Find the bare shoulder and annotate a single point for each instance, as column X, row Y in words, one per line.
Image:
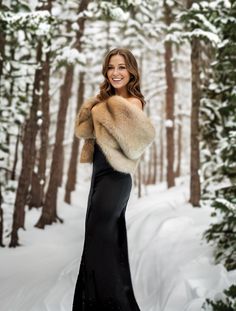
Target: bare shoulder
column 135, row 101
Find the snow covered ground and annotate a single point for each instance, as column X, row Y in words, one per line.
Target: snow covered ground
column 172, row 267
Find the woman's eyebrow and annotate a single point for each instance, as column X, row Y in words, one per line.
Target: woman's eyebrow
column 118, row 64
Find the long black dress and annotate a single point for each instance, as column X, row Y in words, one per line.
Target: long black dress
column 104, row 280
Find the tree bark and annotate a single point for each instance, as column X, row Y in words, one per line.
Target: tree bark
column 72, row 170
column 13, row 173
column 161, row 155
column 37, row 187
column 195, row 188
column 154, row 163
column 179, row 144
column 169, row 103
column 1, row 219
column 2, row 51
column 49, row 210
column 28, row 158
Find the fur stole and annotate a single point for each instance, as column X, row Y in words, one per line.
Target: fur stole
column 122, row 130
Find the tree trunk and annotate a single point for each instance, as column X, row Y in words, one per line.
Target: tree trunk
column 179, row 144
column 2, row 51
column 37, row 189
column 49, row 211
column 19, row 135
column 149, row 170
column 28, row 158
column 169, row 103
column 1, row 219
column 34, row 194
column 161, row 156
column 13, row 173
column 195, row 188
column 154, row 163
column 60, row 169
column 72, row 170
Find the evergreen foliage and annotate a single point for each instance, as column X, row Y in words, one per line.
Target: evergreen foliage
column 20, row 31
column 214, row 23
column 225, row 303
column 221, row 93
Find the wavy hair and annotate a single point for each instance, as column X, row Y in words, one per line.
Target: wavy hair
column 133, row 86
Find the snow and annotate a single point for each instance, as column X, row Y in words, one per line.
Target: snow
column 119, row 14
column 212, row 37
column 31, row 18
column 171, row 265
column 39, row 113
column 43, row 29
column 135, row 2
column 71, row 56
column 169, row 123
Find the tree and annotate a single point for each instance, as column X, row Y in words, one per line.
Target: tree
column 195, row 190
column 28, row 158
column 227, row 303
column 218, row 115
column 72, row 170
column 49, row 211
column 39, row 179
column 30, row 129
column 170, row 90
column 221, row 92
column 1, row 219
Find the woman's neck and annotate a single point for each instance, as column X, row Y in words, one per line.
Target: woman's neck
column 122, row 92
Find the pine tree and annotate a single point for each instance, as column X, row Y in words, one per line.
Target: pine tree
column 221, row 92
column 49, row 211
column 18, row 67
column 215, row 25
column 227, row 303
column 29, row 148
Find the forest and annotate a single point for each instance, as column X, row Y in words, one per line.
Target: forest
column 51, row 61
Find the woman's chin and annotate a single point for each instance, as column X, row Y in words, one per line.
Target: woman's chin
column 117, row 87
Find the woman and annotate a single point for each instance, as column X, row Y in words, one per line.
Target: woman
column 116, row 133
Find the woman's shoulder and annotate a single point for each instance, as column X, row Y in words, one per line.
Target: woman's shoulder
column 136, row 101
column 126, row 100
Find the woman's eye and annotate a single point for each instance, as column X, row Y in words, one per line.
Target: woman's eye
column 120, row 68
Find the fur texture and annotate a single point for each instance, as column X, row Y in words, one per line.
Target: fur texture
column 122, row 130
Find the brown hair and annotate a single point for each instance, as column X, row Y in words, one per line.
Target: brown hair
column 133, row 87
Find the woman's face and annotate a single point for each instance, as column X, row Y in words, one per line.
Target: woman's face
column 117, row 73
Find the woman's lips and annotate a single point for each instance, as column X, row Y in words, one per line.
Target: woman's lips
column 116, row 80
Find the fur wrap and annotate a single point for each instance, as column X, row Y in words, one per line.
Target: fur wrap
column 122, row 130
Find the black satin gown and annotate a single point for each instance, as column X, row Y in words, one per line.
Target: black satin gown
column 104, row 280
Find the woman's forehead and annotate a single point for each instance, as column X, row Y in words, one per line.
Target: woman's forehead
column 117, row 59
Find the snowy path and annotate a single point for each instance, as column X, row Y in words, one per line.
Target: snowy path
column 171, row 266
